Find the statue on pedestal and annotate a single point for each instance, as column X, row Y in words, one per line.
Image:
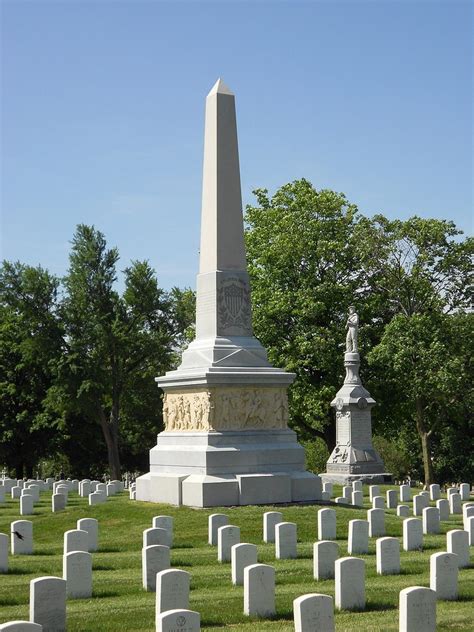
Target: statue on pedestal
column 352, row 326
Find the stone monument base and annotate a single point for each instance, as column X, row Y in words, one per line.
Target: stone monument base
column 218, row 469
column 384, row 478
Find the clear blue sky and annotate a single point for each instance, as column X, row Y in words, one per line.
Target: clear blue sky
column 103, row 115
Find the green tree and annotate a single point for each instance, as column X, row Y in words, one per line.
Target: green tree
column 422, row 271
column 30, row 344
column 115, row 345
column 303, row 263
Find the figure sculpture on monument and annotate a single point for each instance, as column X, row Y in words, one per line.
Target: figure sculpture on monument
column 352, row 326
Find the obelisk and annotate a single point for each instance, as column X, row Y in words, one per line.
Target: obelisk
column 226, row 439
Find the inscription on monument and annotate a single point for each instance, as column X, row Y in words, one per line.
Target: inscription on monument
column 233, row 307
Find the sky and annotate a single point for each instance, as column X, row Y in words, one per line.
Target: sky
column 102, row 115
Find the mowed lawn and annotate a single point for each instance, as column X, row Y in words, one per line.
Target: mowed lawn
column 119, row 603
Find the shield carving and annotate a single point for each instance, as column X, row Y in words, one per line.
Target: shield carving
column 233, row 297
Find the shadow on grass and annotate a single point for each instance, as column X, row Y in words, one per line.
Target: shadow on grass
column 183, row 546
column 42, row 553
column 18, row 571
column 109, row 549
column 103, row 567
column 9, row 601
column 179, row 562
column 105, row 593
column 372, row 606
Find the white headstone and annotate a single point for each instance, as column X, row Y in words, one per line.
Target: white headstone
column 16, row 493
column 76, row 540
column 458, row 542
column 470, row 529
column 26, row 505
column 326, row 496
column 242, row 555
column 97, row 498
column 77, row 571
column 285, row 541
column 20, row 626
column 62, row 489
column 325, row 554
column 165, row 522
column 84, row 489
column 178, row 620
column 450, row 491
column 444, row 575
column 3, row 553
column 172, row 590
column 467, row 512
column 270, row 519
column 465, row 491
column 328, row 487
column 374, row 490
column 356, row 486
column 388, row 556
column 378, row 502
column 417, row 610
column 391, row 499
column 21, row 537
column 314, row 612
column 455, row 504
column 58, row 502
column 327, row 524
column 34, row 490
column 340, row 500
column 101, row 487
column 111, row 489
column 431, row 520
column 350, row 583
column 435, row 492
column 154, row 535
column 227, row 536
column 259, row 590
column 376, row 518
column 357, row 498
column 155, row 558
column 419, row 503
column 347, row 492
column 405, row 493
column 358, row 537
column 412, row 534
column 403, row 511
column 443, row 507
column 91, row 525
column 215, row 521
column 48, row 603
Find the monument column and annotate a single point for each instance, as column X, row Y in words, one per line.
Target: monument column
column 226, row 438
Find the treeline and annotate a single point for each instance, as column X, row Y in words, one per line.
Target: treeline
column 78, row 359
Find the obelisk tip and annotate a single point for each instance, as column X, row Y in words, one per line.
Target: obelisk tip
column 220, row 88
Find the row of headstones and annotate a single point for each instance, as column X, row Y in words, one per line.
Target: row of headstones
column 96, row 492
column 48, row 594
column 353, row 495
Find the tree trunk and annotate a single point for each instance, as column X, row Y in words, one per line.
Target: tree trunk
column 425, row 438
column 110, row 432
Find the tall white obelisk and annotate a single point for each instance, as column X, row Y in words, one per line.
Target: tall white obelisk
column 226, row 438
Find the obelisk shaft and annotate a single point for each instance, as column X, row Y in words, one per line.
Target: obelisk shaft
column 222, row 238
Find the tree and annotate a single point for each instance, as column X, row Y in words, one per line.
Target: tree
column 303, row 262
column 113, row 342
column 30, row 344
column 422, row 271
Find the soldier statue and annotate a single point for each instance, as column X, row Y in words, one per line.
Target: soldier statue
column 352, row 326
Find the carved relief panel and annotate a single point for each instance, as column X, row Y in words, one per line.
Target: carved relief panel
column 231, row 408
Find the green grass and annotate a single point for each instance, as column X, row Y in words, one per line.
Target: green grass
column 120, row 604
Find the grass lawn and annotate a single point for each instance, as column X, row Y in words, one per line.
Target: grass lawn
column 119, row 603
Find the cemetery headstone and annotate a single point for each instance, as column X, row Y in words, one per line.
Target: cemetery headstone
column 412, row 534
column 242, row 555
column 464, row 491
column 435, row 492
column 356, row 486
column 76, row 540
column 328, row 487
column 270, row 519
column 178, row 620
column 403, row 511
column 227, row 536
column 405, row 493
column 455, row 504
column 327, row 524
column 285, row 540
column 215, row 521
column 470, row 529
column 388, row 556
column 26, row 505
column 325, row 554
column 313, row 612
column 20, row 626
column 97, row 498
column 357, row 498
column 91, row 526
column 21, row 541
column 430, row 520
column 165, row 522
column 419, row 503
column 358, row 537
column 443, row 507
column 347, row 492
column 417, row 610
column 259, row 590
column 172, row 590
column 77, row 571
column 444, row 575
column 3, row 553
column 350, row 583
column 391, row 499
column 374, row 490
column 155, row 558
column 58, row 502
column 458, row 542
column 48, row 603
column 378, row 502
column 154, row 535
column 376, row 519
column 16, row 492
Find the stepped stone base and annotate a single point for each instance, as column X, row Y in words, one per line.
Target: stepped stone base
column 347, row 479
column 216, row 469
